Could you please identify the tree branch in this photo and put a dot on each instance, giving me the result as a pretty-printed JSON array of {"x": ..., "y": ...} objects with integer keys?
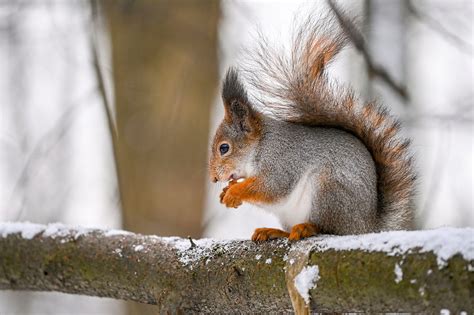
[{"x": 420, "y": 271}]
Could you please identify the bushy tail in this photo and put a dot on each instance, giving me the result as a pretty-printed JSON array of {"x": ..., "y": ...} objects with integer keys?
[{"x": 294, "y": 87}]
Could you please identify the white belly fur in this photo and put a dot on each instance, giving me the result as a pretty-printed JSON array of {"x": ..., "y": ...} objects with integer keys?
[{"x": 296, "y": 207}]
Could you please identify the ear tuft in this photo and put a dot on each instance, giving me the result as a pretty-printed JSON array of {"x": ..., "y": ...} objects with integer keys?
[
  {"x": 233, "y": 89},
  {"x": 238, "y": 110}
]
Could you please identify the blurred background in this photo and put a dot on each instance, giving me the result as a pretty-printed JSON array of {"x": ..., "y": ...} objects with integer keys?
[{"x": 107, "y": 108}]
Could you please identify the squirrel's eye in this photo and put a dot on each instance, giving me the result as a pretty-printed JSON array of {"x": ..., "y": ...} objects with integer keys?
[{"x": 224, "y": 148}]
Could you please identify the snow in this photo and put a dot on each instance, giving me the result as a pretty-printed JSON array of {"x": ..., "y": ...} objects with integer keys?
[
  {"x": 27, "y": 230},
  {"x": 118, "y": 251},
  {"x": 53, "y": 230},
  {"x": 116, "y": 232},
  {"x": 421, "y": 291},
  {"x": 268, "y": 261},
  {"x": 190, "y": 253},
  {"x": 306, "y": 280},
  {"x": 138, "y": 248},
  {"x": 257, "y": 257},
  {"x": 443, "y": 242},
  {"x": 398, "y": 273}
]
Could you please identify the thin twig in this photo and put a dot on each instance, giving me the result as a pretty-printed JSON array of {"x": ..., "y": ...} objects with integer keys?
[
  {"x": 103, "y": 93},
  {"x": 44, "y": 146},
  {"x": 192, "y": 242},
  {"x": 374, "y": 70},
  {"x": 442, "y": 154},
  {"x": 440, "y": 29}
]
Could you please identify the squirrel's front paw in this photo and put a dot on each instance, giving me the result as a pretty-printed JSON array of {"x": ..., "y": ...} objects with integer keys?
[
  {"x": 221, "y": 196},
  {"x": 226, "y": 188},
  {"x": 229, "y": 199}
]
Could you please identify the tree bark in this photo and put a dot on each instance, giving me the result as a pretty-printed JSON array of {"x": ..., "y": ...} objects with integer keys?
[{"x": 241, "y": 276}]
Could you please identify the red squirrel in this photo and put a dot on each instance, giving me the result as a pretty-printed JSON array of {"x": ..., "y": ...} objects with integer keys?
[{"x": 306, "y": 149}]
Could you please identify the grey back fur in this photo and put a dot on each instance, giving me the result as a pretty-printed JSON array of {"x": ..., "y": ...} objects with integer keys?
[{"x": 345, "y": 198}]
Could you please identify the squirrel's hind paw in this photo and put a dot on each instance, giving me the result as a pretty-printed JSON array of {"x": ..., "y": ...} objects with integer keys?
[
  {"x": 265, "y": 234},
  {"x": 303, "y": 230}
]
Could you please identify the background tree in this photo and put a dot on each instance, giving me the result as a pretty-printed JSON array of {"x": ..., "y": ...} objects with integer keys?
[{"x": 164, "y": 60}]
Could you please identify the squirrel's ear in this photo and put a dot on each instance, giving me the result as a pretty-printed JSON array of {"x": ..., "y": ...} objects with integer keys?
[
  {"x": 233, "y": 89},
  {"x": 236, "y": 104},
  {"x": 243, "y": 117}
]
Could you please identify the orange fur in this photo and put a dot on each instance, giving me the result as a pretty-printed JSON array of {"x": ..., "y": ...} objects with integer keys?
[
  {"x": 248, "y": 190},
  {"x": 323, "y": 50},
  {"x": 224, "y": 191}
]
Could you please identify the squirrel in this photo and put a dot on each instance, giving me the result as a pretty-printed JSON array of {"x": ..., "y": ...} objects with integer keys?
[{"x": 306, "y": 149}]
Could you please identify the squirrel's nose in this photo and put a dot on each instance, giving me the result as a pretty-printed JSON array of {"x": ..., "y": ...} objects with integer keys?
[{"x": 214, "y": 180}]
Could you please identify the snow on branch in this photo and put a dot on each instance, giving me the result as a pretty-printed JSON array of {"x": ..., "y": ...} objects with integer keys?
[{"x": 418, "y": 271}]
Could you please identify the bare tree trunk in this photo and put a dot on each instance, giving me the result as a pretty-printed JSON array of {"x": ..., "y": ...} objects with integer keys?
[
  {"x": 429, "y": 272},
  {"x": 164, "y": 56}
]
